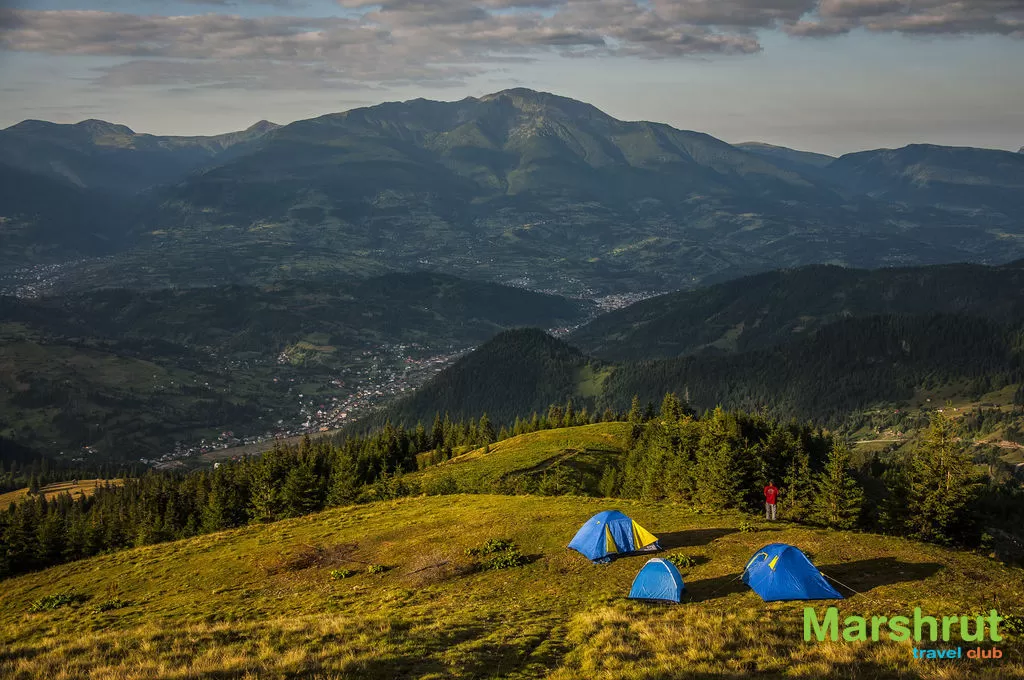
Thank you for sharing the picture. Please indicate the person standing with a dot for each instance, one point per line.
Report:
(771, 494)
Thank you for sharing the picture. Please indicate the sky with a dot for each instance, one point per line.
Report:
(831, 76)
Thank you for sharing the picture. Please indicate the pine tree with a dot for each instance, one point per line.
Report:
(437, 432)
(485, 429)
(267, 478)
(721, 477)
(636, 415)
(942, 484)
(302, 492)
(344, 481)
(797, 500)
(568, 415)
(671, 410)
(840, 499)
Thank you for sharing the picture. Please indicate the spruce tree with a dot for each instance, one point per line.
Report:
(485, 430)
(942, 484)
(797, 500)
(721, 477)
(671, 410)
(636, 415)
(840, 499)
(302, 491)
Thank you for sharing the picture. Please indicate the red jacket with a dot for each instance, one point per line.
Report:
(771, 492)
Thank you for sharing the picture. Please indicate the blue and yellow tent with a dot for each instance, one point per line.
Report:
(781, 572)
(610, 533)
(658, 580)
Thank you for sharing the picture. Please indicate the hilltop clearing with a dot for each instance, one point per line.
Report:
(261, 602)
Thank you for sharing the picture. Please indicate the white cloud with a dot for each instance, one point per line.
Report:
(446, 41)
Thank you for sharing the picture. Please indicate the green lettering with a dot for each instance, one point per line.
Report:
(947, 623)
(899, 625)
(979, 629)
(919, 620)
(829, 625)
(855, 628)
(876, 621)
(993, 626)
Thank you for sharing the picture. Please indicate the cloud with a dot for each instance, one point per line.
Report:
(447, 41)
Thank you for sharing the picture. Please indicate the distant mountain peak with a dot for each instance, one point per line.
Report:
(526, 99)
(262, 127)
(95, 125)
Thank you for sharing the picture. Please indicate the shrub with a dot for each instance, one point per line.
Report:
(493, 545)
(441, 486)
(1014, 624)
(747, 527)
(497, 553)
(680, 560)
(338, 574)
(109, 605)
(506, 559)
(376, 569)
(50, 602)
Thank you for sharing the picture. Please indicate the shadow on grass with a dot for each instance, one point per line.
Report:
(865, 575)
(693, 537)
(713, 588)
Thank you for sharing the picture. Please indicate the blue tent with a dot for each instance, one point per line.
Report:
(611, 533)
(658, 580)
(781, 572)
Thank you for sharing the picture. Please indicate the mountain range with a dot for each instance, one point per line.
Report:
(517, 186)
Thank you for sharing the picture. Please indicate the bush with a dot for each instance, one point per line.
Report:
(441, 486)
(338, 574)
(493, 545)
(497, 553)
(109, 605)
(506, 559)
(376, 569)
(680, 560)
(747, 527)
(50, 602)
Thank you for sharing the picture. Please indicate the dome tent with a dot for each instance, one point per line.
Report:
(781, 572)
(658, 580)
(612, 533)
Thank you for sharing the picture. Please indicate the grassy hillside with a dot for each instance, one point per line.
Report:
(78, 489)
(584, 451)
(260, 601)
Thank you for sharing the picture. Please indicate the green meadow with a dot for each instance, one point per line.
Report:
(261, 601)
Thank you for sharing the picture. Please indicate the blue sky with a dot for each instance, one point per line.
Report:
(823, 75)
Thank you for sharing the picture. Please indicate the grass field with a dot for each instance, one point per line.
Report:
(83, 487)
(585, 450)
(260, 602)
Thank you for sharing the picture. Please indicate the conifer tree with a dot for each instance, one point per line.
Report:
(635, 416)
(942, 484)
(797, 501)
(721, 477)
(840, 499)
(568, 415)
(485, 429)
(301, 493)
(671, 409)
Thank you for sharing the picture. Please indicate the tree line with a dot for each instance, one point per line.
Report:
(719, 459)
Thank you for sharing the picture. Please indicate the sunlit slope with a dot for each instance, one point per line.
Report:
(240, 604)
(585, 450)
